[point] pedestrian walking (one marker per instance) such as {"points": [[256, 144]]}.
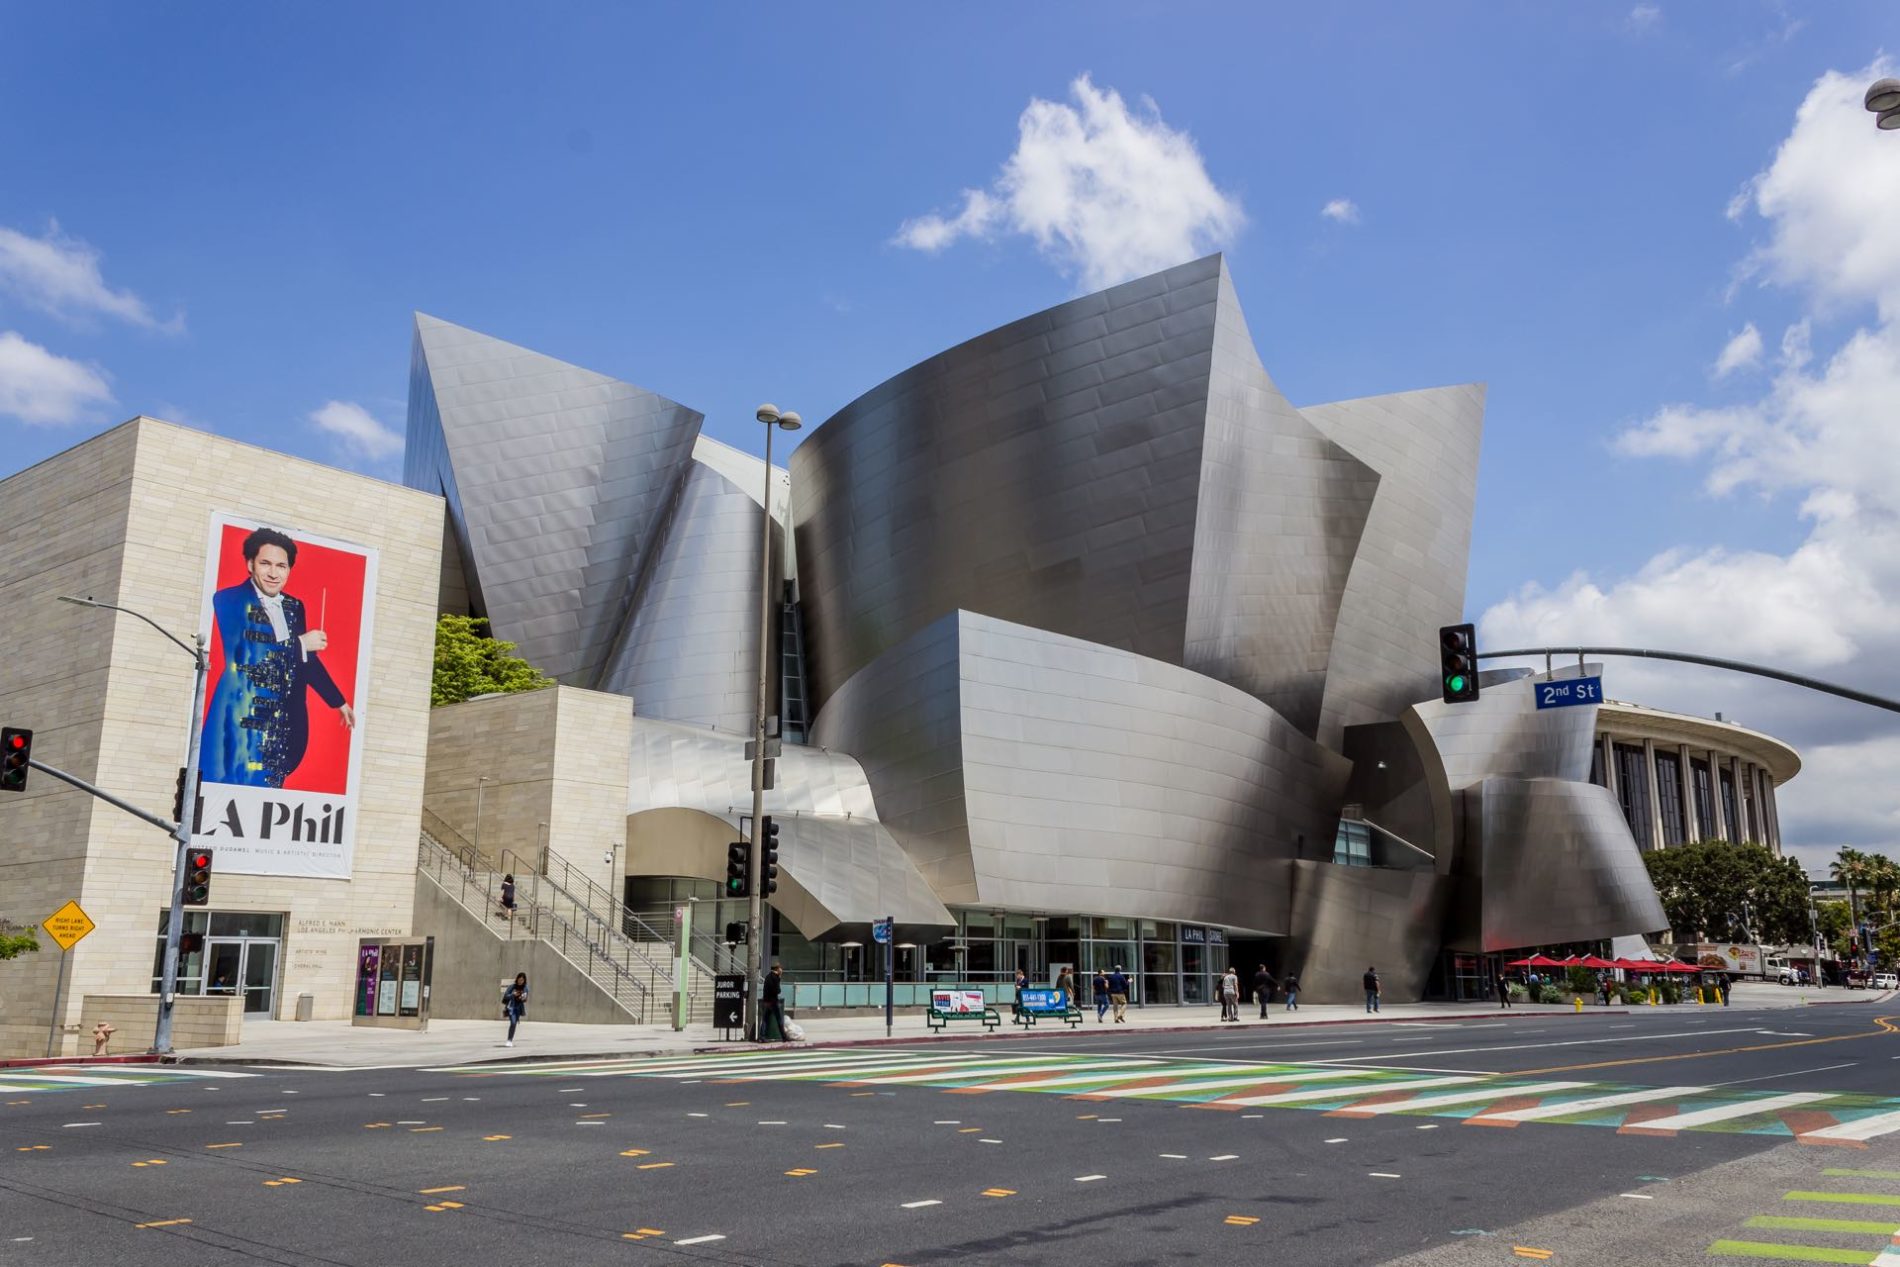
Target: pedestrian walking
{"points": [[1118, 994], [1502, 986], [1263, 988], [1230, 995], [1022, 983], [507, 897], [774, 1005], [1371, 981], [1291, 984], [514, 1005], [1100, 988], [1065, 984]]}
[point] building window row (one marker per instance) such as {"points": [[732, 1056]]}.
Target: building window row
{"points": [[1669, 797]]}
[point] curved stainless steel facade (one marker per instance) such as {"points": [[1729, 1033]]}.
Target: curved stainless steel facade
{"points": [[1095, 622]]}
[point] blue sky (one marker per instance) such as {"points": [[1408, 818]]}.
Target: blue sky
{"points": [[706, 201]]}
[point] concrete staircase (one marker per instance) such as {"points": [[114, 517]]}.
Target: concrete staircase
{"points": [[582, 928]]}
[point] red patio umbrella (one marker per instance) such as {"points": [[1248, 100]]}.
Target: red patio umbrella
{"points": [[1594, 961], [1536, 961]]}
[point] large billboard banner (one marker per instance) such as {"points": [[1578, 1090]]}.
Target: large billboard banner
{"points": [[287, 618]]}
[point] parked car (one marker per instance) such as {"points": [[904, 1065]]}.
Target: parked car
{"points": [[1855, 979], [1887, 981], [1788, 976]]}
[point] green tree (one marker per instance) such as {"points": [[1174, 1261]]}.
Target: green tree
{"points": [[1716, 890], [1835, 923], [469, 663], [1850, 868], [17, 941]]}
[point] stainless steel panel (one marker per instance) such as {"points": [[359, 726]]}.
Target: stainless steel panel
{"points": [[1348, 919]]}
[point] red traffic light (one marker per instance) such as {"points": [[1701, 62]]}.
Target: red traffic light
{"points": [[16, 757], [200, 860], [16, 740]]}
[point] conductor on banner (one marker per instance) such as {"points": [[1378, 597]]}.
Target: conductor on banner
{"points": [[258, 724]]}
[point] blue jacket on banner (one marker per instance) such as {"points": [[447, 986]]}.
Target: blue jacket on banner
{"points": [[258, 724]]}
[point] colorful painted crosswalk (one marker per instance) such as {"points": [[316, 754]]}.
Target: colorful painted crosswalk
{"points": [[35, 1079], [1847, 1121], [1853, 1218]]}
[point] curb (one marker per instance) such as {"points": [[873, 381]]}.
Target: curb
{"points": [[704, 1048], [147, 1058]]}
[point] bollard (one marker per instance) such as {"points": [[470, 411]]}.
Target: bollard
{"points": [[1655, 996], [1698, 996]]}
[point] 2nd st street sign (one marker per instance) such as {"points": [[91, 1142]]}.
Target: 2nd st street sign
{"points": [[1569, 692]]}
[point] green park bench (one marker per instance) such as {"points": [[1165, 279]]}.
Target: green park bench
{"points": [[1046, 1005], [971, 1007]]}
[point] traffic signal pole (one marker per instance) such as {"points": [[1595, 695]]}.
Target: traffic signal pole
{"points": [[181, 833], [1683, 657]]}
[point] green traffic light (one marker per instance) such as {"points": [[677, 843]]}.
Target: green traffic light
{"points": [[1455, 683]]}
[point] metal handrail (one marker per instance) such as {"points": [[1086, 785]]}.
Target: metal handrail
{"points": [[617, 911], [624, 985]]}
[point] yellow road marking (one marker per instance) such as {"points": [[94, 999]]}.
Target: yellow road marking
{"points": [[1526, 1251], [859, 1094], [800, 1172], [635, 1152], [429, 1192], [278, 1183], [999, 1192], [737, 1104], [176, 1112], [375, 1126], [423, 1130], [35, 1148], [586, 1116], [224, 1145], [1886, 1024], [641, 1234], [968, 1130], [149, 1161], [831, 1145], [492, 1138], [92, 1106], [163, 1223], [1240, 1220], [653, 1165]]}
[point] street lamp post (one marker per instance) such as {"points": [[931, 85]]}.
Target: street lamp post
{"points": [[1883, 101], [755, 903], [181, 831]]}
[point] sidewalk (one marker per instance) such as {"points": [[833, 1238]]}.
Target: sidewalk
{"points": [[338, 1044]]}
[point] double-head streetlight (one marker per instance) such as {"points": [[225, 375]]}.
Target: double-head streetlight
{"points": [[774, 420], [181, 830], [1883, 101]]}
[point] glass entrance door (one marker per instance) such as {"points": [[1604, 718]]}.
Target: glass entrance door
{"points": [[242, 966]]}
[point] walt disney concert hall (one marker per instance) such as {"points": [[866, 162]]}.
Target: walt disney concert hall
{"points": [[1088, 648]]}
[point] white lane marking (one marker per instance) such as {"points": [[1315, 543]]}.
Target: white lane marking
{"points": [[70, 1125], [949, 1121], [245, 1123], [973, 1073], [1321, 1042], [1108, 1119], [1726, 1112], [1429, 1126], [74, 1080], [918, 1205], [1575, 1042], [1089, 1178], [1636, 1196], [696, 1115], [433, 1099], [1861, 1129], [415, 1122], [1126, 1075], [1792, 1073], [771, 1123], [834, 1126], [470, 1099], [989, 1141], [701, 1240], [1340, 1140], [1251, 1117], [1193, 1085], [1382, 1174], [568, 1090], [376, 1095], [1174, 1156], [1592, 1103], [1334, 1093], [1226, 1157], [1466, 1097]]}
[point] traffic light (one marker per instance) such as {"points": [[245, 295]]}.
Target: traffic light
{"points": [[178, 798], [735, 933], [768, 858], [1458, 654], [738, 860], [198, 877], [16, 750]]}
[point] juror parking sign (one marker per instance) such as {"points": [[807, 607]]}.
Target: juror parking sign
{"points": [[286, 615]]}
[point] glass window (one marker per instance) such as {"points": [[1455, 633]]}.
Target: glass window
{"points": [[1734, 825], [979, 922], [246, 924], [1632, 790], [1596, 766], [1159, 983], [1115, 927], [1669, 788], [1704, 797], [1352, 844], [1018, 926], [194, 921]]}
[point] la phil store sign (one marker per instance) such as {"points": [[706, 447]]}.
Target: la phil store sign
{"points": [[287, 616]]}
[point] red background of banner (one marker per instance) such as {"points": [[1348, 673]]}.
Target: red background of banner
{"points": [[320, 576]]}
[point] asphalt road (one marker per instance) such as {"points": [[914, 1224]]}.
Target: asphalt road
{"points": [[1094, 1148]]}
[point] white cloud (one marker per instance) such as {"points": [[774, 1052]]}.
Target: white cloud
{"points": [[1643, 19], [1106, 192], [1344, 210], [1820, 432], [357, 430], [1741, 352], [60, 275], [44, 389]]}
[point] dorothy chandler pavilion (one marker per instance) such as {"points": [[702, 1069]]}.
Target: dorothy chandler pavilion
{"points": [[1088, 648]]}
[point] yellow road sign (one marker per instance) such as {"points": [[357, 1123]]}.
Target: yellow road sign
{"points": [[67, 925]]}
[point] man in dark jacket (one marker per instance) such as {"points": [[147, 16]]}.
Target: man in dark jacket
{"points": [[1371, 981], [774, 1009], [1263, 984]]}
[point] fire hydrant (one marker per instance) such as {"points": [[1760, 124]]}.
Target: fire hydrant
{"points": [[102, 1039]]}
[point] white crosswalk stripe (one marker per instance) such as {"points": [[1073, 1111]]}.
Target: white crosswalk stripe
{"points": [[1334, 1093], [1729, 1112], [870, 1079], [1147, 1071], [1865, 1128], [1594, 1103], [1467, 1097], [1194, 1086]]}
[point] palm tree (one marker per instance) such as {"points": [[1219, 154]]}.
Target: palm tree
{"points": [[1850, 867], [1883, 877]]}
